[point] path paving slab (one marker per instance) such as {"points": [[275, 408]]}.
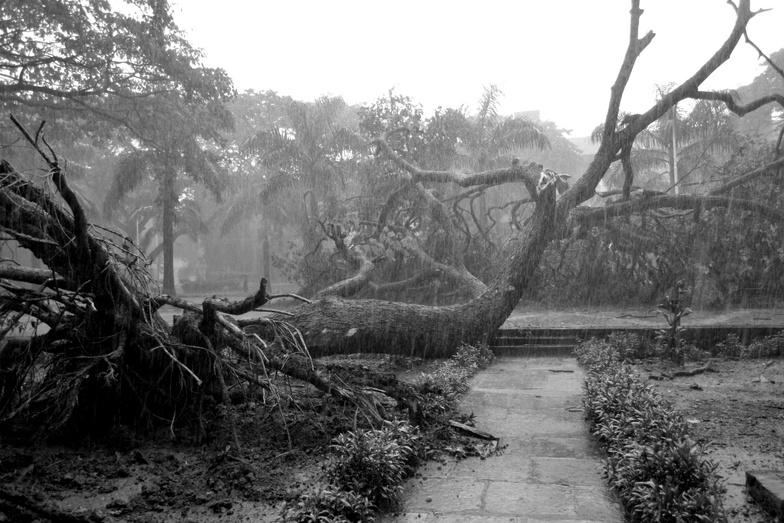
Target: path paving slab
{"points": [[549, 468], [767, 489]]}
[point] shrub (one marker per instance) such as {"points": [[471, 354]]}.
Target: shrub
{"points": [[768, 347], [630, 346], [730, 348], [373, 463], [658, 471], [368, 466], [473, 357], [331, 506], [439, 389]]}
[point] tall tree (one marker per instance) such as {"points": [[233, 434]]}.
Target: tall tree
{"points": [[300, 157], [91, 69], [181, 139]]}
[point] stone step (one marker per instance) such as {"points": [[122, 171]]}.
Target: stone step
{"points": [[505, 340], [532, 349]]}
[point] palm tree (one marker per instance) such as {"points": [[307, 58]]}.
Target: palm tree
{"points": [[178, 144], [680, 149], [297, 160]]}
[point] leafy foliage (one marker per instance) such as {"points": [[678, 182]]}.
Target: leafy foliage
{"points": [[374, 463], [368, 467], [659, 473], [439, 389], [60, 59]]}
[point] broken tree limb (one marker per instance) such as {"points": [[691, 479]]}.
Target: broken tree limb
{"points": [[472, 431], [694, 372]]}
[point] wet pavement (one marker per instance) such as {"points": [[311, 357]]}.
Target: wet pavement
{"points": [[549, 469]]}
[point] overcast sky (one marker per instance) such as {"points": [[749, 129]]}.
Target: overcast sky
{"points": [[557, 56]]}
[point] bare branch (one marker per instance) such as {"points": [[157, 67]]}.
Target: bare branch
{"points": [[765, 169], [598, 215], [529, 174], [734, 106]]}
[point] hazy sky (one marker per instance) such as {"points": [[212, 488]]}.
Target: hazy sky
{"points": [[557, 56]]}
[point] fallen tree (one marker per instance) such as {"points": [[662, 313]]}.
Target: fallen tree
{"points": [[104, 355], [332, 325], [108, 356]]}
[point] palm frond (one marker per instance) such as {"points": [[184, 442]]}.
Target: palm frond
{"points": [[204, 167], [517, 132], [132, 169], [240, 210], [487, 115], [189, 219]]}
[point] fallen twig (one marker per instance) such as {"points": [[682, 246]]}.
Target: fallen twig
{"points": [[694, 372], [472, 431]]}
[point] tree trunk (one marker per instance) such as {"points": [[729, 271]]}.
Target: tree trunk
{"points": [[169, 199], [266, 270], [332, 325]]}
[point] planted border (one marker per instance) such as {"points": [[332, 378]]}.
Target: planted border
{"points": [[658, 471]]}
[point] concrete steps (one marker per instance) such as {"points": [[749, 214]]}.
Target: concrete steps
{"points": [[515, 342], [548, 341]]}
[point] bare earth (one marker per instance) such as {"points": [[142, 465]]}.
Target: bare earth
{"points": [[737, 413]]}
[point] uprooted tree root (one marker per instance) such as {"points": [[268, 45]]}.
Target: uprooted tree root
{"points": [[106, 356]]}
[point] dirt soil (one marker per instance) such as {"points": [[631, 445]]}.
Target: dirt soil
{"points": [[283, 447], [737, 413]]}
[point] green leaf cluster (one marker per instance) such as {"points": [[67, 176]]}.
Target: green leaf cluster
{"points": [[658, 471]]}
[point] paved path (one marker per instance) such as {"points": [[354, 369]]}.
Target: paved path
{"points": [[550, 470]]}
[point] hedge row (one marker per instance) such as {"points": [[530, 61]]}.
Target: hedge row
{"points": [[659, 472]]}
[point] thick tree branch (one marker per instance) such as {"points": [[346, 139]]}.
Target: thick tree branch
{"points": [[613, 141], [357, 259], [769, 168], [529, 174], [598, 215], [740, 109]]}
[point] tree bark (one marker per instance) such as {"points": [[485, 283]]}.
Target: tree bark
{"points": [[169, 198], [332, 325]]}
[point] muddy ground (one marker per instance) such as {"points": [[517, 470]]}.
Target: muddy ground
{"points": [[737, 413], [283, 443], [259, 458]]}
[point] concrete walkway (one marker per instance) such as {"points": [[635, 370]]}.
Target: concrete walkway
{"points": [[550, 469]]}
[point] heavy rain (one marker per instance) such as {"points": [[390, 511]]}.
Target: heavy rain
{"points": [[330, 262]]}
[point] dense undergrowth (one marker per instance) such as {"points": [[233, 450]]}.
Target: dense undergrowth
{"points": [[658, 471], [367, 467]]}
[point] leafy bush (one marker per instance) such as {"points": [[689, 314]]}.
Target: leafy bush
{"points": [[374, 463], [658, 471], [368, 466], [449, 379], [630, 346], [768, 347], [473, 357], [730, 348], [367, 471], [331, 506], [439, 389]]}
